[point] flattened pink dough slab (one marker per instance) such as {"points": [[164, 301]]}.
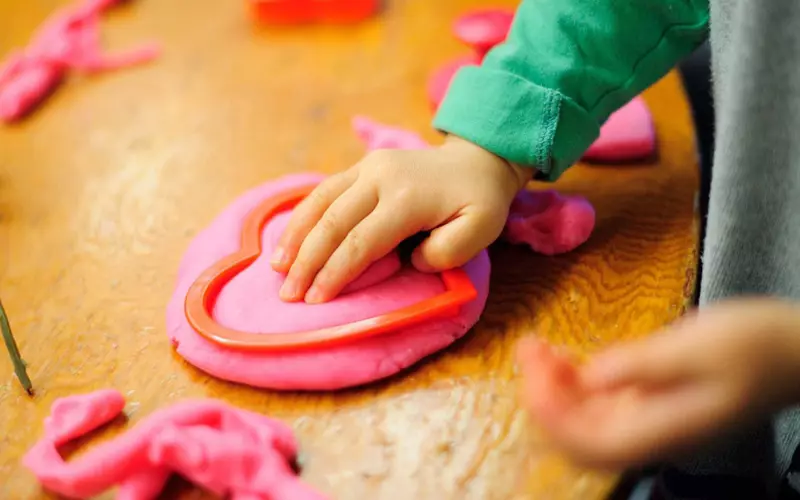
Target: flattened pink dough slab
{"points": [[226, 450], [548, 222], [250, 302], [628, 134]]}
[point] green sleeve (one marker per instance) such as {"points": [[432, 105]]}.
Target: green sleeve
{"points": [[539, 99]]}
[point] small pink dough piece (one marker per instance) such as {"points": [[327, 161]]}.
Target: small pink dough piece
{"points": [[548, 222], [250, 302], [483, 29], [627, 135], [223, 449], [439, 81]]}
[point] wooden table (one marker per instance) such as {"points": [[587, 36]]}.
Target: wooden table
{"points": [[102, 189]]}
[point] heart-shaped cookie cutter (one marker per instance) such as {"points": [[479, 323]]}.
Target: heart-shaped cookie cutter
{"points": [[203, 293]]}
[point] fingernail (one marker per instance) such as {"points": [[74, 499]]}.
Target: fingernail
{"points": [[315, 296], [288, 290], [278, 257]]}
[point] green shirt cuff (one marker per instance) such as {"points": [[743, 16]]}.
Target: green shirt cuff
{"points": [[517, 120]]}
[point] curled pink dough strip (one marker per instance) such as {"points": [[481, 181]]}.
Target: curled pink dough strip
{"points": [[26, 86], [548, 222], [70, 38], [226, 450]]}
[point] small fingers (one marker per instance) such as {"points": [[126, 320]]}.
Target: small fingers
{"points": [[658, 360], [375, 236], [305, 216], [325, 237], [615, 426], [623, 428]]}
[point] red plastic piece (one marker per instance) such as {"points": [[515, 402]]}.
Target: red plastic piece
{"points": [[481, 30], [203, 293], [288, 12]]}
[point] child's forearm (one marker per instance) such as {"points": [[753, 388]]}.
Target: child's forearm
{"points": [[539, 98]]}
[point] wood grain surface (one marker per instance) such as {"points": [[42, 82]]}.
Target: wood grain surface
{"points": [[104, 186]]}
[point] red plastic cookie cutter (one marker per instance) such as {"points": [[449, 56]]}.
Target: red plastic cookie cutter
{"points": [[203, 293], [287, 12], [481, 30]]}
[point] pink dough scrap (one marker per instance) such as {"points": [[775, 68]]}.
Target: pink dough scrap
{"points": [[627, 135], [549, 222], [483, 29], [223, 449], [250, 302]]}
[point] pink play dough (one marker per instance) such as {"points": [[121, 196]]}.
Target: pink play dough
{"points": [[480, 30], [250, 302], [69, 39], [439, 81], [225, 450], [627, 135], [549, 222], [483, 29]]}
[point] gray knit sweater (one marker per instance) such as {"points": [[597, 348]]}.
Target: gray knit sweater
{"points": [[752, 244]]}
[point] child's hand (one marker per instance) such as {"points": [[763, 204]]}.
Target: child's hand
{"points": [[458, 191], [659, 396]]}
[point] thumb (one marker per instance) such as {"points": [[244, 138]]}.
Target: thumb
{"points": [[453, 244]]}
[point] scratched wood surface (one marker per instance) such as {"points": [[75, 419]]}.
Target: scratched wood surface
{"points": [[102, 189]]}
